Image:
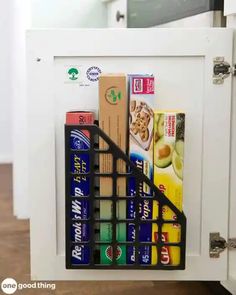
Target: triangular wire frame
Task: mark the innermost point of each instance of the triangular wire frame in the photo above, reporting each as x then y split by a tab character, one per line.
132	171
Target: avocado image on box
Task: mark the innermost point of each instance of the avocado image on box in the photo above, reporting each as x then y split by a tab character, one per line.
169	130
113	120
165	154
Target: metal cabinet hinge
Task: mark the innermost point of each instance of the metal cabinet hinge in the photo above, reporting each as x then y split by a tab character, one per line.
219	244
222	70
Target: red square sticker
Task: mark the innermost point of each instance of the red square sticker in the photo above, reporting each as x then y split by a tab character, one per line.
143	85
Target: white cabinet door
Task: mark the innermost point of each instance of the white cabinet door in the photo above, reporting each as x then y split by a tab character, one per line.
182	62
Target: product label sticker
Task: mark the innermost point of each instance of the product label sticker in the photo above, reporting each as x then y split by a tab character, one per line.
93	73
143	85
81	75
169	127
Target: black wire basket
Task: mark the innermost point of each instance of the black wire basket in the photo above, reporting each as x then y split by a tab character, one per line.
87	247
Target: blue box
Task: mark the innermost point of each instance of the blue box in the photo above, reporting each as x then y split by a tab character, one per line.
80	186
145	231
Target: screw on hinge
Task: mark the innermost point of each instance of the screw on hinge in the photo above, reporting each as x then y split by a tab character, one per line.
232	244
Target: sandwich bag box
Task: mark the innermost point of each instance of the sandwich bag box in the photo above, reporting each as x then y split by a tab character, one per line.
141	125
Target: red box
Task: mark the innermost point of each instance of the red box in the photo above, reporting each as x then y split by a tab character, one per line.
79	118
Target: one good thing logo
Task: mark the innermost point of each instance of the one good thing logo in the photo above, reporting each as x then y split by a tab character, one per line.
9	286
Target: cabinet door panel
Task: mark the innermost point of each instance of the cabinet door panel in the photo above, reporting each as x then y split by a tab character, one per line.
182	62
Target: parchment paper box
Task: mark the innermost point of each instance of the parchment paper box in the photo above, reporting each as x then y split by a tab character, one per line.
113	120
169	128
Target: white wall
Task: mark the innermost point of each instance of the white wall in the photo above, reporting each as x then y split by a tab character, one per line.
21	20
5	82
69	13
39	14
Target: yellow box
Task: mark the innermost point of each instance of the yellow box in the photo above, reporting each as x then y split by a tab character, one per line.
168	177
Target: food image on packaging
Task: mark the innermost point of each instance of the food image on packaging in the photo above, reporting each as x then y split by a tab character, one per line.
169	148
164	153
169	128
177	158
141	126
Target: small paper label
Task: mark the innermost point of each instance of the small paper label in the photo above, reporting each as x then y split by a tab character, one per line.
170	127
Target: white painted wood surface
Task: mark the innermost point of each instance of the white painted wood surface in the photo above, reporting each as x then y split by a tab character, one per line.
231	21
184	75
229	7
230	284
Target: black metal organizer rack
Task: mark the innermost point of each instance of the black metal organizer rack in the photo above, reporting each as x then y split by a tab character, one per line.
93	197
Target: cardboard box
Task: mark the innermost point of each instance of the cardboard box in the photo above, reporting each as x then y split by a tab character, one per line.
141	100
79	186
113	120
169	128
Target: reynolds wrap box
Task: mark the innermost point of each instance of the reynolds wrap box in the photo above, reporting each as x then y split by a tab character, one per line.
113	120
169	130
79	186
141	100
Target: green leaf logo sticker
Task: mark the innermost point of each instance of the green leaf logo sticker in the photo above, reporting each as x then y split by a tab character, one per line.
73	74
113	95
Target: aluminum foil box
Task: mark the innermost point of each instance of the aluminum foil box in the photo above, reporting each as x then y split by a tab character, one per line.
79	185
